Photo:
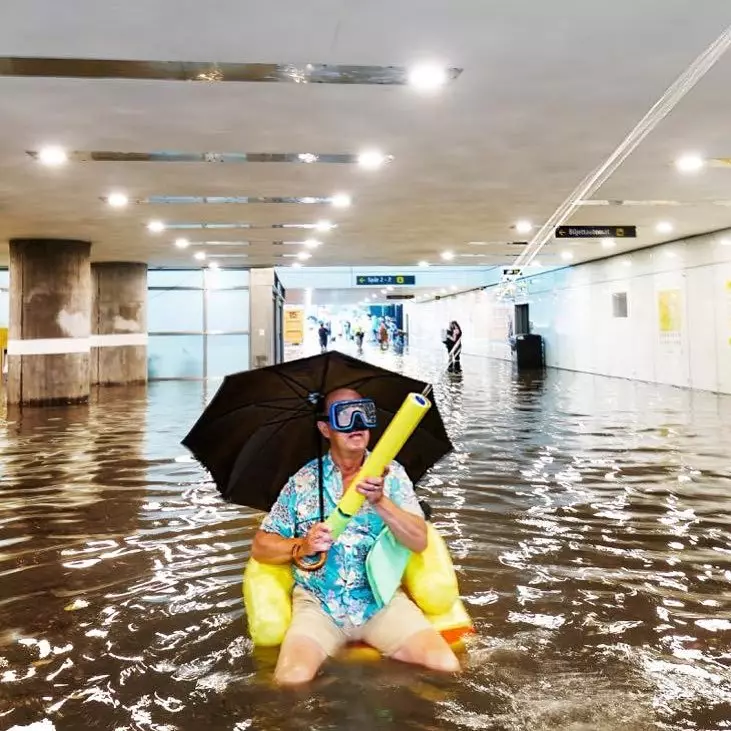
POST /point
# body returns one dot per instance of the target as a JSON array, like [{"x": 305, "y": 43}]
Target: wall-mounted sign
[
  {"x": 596, "y": 232},
  {"x": 379, "y": 280},
  {"x": 294, "y": 325},
  {"x": 511, "y": 272}
]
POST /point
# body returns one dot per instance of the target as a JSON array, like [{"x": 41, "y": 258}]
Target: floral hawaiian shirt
[{"x": 342, "y": 584}]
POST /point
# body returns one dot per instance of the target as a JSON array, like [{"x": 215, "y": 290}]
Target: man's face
[{"x": 355, "y": 441}]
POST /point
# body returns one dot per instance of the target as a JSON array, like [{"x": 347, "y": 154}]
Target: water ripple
[{"x": 588, "y": 519}]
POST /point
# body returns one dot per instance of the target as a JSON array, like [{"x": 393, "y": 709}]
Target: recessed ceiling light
[
  {"x": 443, "y": 291},
  {"x": 308, "y": 157},
  {"x": 537, "y": 264},
  {"x": 341, "y": 200},
  {"x": 383, "y": 291},
  {"x": 213, "y": 265},
  {"x": 690, "y": 163},
  {"x": 182, "y": 243},
  {"x": 117, "y": 200},
  {"x": 567, "y": 255},
  {"x": 52, "y": 156},
  {"x": 373, "y": 296},
  {"x": 523, "y": 227},
  {"x": 389, "y": 289},
  {"x": 312, "y": 243},
  {"x": 627, "y": 262},
  {"x": 371, "y": 159},
  {"x": 200, "y": 255},
  {"x": 725, "y": 241},
  {"x": 608, "y": 243},
  {"x": 447, "y": 255},
  {"x": 324, "y": 226},
  {"x": 671, "y": 254},
  {"x": 304, "y": 255},
  {"x": 453, "y": 288},
  {"x": 156, "y": 226},
  {"x": 423, "y": 263},
  {"x": 427, "y": 77},
  {"x": 664, "y": 227}
]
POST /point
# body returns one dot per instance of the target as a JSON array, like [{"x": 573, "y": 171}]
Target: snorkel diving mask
[{"x": 350, "y": 416}]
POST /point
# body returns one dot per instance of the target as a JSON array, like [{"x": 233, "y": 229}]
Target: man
[
  {"x": 323, "y": 334},
  {"x": 335, "y": 604}
]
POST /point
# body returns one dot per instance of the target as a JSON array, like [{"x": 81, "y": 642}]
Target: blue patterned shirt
[{"x": 341, "y": 585}]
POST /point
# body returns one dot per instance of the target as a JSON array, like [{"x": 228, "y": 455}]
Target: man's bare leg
[
  {"x": 299, "y": 660},
  {"x": 429, "y": 649}
]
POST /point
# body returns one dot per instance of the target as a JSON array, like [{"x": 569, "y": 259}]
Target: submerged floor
[{"x": 590, "y": 520}]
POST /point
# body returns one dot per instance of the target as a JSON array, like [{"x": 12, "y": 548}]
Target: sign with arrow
[{"x": 596, "y": 232}]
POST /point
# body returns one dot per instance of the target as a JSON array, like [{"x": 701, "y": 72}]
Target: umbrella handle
[{"x": 298, "y": 561}]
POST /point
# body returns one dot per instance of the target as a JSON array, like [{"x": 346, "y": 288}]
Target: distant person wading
[
  {"x": 453, "y": 343},
  {"x": 323, "y": 334}
]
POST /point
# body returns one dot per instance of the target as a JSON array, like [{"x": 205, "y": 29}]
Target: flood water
[{"x": 589, "y": 519}]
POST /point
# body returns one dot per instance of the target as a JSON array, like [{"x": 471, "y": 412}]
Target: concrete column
[
  {"x": 266, "y": 302},
  {"x": 118, "y": 323},
  {"x": 50, "y": 303}
]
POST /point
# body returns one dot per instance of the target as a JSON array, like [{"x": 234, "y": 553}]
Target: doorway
[{"x": 522, "y": 320}]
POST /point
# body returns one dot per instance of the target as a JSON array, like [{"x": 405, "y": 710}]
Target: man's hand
[
  {"x": 319, "y": 538},
  {"x": 372, "y": 488}
]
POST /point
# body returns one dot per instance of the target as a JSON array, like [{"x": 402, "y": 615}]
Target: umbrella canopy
[{"x": 261, "y": 426}]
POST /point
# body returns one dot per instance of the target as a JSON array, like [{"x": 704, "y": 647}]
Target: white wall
[
  {"x": 572, "y": 309},
  {"x": 4, "y": 298}
]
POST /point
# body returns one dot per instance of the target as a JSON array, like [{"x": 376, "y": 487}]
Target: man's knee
[
  {"x": 441, "y": 660},
  {"x": 295, "y": 673},
  {"x": 429, "y": 649}
]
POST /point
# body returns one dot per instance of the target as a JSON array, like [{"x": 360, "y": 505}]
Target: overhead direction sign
[
  {"x": 511, "y": 272},
  {"x": 379, "y": 280},
  {"x": 596, "y": 232}
]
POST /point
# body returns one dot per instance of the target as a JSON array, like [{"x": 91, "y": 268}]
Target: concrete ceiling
[{"x": 548, "y": 90}]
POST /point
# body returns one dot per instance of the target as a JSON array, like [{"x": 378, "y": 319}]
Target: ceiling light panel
[
  {"x": 215, "y": 72},
  {"x": 320, "y": 226},
  {"x": 302, "y": 158},
  {"x": 217, "y": 200}
]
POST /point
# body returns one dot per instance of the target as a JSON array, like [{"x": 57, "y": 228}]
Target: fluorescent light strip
[
  {"x": 223, "y": 200},
  {"x": 303, "y": 158},
  {"x": 497, "y": 243},
  {"x": 222, "y": 226},
  {"x": 220, "y": 243},
  {"x": 227, "y": 256},
  {"x": 208, "y": 71},
  {"x": 650, "y": 203}
]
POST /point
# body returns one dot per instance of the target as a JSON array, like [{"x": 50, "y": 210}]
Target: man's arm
[
  {"x": 407, "y": 525},
  {"x": 408, "y": 528},
  {"x": 276, "y": 549},
  {"x": 273, "y": 548}
]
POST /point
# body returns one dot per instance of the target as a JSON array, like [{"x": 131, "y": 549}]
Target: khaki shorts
[{"x": 387, "y": 631}]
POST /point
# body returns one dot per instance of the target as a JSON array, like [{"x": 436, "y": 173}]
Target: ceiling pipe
[{"x": 669, "y": 100}]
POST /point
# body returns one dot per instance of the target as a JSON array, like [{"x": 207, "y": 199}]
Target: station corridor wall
[{"x": 662, "y": 315}]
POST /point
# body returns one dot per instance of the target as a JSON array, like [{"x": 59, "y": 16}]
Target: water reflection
[{"x": 588, "y": 518}]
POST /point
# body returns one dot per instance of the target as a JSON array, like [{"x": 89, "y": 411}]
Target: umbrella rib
[
  {"x": 293, "y": 384},
  {"x": 266, "y": 405}
]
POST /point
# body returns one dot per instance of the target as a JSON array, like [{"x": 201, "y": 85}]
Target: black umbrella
[{"x": 260, "y": 427}]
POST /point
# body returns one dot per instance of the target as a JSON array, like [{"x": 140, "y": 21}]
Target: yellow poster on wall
[
  {"x": 3, "y": 349},
  {"x": 670, "y": 310},
  {"x": 294, "y": 325}
]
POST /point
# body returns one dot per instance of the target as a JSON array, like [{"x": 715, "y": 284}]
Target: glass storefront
[{"x": 198, "y": 323}]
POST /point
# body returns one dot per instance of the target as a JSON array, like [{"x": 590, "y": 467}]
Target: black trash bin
[{"x": 529, "y": 352}]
